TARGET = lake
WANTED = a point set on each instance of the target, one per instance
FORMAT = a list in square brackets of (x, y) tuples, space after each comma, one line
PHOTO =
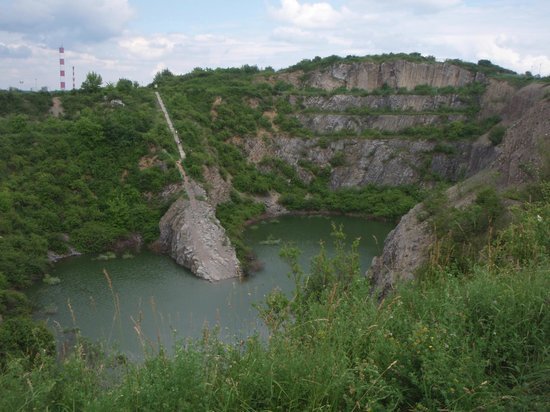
[(138, 303)]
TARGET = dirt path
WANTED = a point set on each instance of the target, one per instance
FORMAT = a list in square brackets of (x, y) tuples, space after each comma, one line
[(186, 184), (171, 126)]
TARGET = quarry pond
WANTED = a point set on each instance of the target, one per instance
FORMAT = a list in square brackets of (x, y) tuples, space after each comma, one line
[(137, 303)]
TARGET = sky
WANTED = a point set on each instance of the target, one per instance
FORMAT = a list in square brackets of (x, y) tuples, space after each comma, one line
[(134, 39)]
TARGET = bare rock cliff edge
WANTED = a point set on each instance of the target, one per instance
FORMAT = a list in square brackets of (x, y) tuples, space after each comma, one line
[(518, 160)]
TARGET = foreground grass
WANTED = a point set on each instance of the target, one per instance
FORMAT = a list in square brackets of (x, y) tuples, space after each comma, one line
[(476, 341)]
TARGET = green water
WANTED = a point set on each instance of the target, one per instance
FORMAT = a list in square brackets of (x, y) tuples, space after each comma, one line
[(154, 301)]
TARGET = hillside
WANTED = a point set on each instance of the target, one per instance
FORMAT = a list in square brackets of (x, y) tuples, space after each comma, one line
[(456, 152)]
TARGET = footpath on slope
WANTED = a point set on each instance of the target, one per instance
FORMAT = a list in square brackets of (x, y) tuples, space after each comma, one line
[(190, 231)]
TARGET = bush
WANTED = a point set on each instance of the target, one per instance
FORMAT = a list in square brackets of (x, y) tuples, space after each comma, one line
[(339, 159), (14, 303), (23, 337), (497, 134), (94, 236)]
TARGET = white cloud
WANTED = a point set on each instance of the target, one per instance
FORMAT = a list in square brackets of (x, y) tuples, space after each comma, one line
[(57, 21), (500, 49), (400, 6), (293, 34), (14, 51), (425, 5), (310, 15), (511, 35), (154, 46)]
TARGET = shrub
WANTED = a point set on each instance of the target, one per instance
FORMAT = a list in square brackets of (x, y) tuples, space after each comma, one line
[(497, 134), (339, 159), (23, 337)]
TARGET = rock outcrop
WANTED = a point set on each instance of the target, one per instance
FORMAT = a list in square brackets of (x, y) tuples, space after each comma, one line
[(389, 162), (371, 76), (192, 235), (522, 157), (334, 123), (404, 102), (189, 231)]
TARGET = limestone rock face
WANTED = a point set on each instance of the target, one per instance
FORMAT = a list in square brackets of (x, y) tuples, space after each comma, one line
[(404, 252), (521, 158), (389, 162), (331, 123), (397, 74), (219, 189), (406, 102), (192, 235)]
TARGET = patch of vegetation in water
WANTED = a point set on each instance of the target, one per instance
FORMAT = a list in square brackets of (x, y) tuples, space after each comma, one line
[(106, 256), (51, 280), (270, 241)]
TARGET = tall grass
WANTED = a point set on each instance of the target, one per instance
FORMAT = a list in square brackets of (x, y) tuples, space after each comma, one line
[(444, 342)]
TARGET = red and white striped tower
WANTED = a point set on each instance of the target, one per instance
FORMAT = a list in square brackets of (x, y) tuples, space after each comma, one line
[(62, 68), (74, 87)]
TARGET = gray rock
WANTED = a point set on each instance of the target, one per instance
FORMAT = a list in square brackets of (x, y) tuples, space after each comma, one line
[(404, 102), (389, 162), (192, 235), (518, 160), (331, 123), (371, 76)]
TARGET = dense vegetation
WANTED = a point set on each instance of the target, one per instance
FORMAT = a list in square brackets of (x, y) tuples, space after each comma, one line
[(74, 180), (471, 332)]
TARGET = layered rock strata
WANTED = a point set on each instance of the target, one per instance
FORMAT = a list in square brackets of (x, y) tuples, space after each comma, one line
[(521, 158), (371, 76), (389, 162)]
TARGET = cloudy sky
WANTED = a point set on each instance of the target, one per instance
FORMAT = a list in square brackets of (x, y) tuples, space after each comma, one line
[(134, 39)]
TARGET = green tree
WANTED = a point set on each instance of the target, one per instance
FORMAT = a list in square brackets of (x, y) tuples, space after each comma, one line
[(23, 337), (92, 83), (162, 76), (124, 85)]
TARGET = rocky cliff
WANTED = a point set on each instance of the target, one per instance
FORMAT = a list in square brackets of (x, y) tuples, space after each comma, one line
[(522, 157), (189, 231), (370, 134), (334, 123), (362, 138), (379, 161), (371, 76), (416, 103)]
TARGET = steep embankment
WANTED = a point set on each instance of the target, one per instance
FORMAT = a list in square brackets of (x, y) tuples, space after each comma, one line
[(521, 158), (387, 161)]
